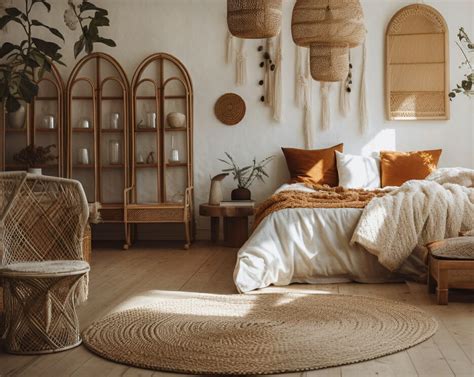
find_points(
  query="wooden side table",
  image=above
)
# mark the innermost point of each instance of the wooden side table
(236, 222)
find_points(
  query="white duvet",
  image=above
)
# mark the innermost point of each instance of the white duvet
(308, 245)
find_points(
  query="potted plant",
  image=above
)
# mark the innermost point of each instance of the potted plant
(245, 176)
(467, 47)
(33, 157)
(24, 63)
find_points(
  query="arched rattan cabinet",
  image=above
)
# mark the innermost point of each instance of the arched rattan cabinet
(49, 102)
(161, 190)
(98, 121)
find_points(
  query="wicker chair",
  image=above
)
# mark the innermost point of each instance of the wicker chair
(42, 219)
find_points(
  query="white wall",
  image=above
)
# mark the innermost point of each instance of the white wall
(195, 31)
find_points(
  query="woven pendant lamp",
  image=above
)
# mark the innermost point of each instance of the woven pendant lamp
(254, 19)
(329, 28)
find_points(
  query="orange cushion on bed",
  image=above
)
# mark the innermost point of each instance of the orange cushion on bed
(399, 167)
(313, 166)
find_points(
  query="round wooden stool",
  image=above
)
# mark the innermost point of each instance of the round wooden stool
(40, 311)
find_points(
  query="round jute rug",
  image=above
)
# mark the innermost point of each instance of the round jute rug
(257, 334)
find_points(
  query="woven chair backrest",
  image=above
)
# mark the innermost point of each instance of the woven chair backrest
(45, 219)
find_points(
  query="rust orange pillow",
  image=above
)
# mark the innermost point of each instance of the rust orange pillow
(316, 167)
(399, 167)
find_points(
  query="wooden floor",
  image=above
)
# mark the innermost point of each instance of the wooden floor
(120, 277)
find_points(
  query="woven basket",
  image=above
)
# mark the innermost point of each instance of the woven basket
(329, 63)
(254, 19)
(329, 28)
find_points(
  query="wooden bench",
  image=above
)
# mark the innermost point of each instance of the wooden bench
(451, 265)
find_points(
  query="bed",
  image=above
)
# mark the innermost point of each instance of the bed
(311, 245)
(316, 245)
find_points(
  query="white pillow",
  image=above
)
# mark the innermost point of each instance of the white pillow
(358, 171)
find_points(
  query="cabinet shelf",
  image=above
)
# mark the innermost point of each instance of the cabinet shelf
(104, 98)
(176, 164)
(83, 130)
(177, 129)
(113, 166)
(46, 130)
(146, 129)
(24, 167)
(83, 166)
(112, 130)
(146, 166)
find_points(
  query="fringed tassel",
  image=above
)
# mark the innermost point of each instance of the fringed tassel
(82, 289)
(364, 118)
(278, 88)
(300, 76)
(241, 64)
(344, 100)
(230, 48)
(308, 106)
(325, 109)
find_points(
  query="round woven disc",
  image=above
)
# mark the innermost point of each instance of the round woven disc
(230, 109)
(257, 334)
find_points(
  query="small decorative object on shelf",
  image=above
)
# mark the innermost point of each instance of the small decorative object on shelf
(150, 158)
(114, 121)
(48, 122)
(174, 153)
(17, 119)
(245, 176)
(114, 152)
(83, 156)
(84, 123)
(140, 158)
(33, 157)
(215, 193)
(467, 47)
(176, 120)
(151, 120)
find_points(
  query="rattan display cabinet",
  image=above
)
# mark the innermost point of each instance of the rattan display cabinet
(97, 132)
(37, 129)
(161, 151)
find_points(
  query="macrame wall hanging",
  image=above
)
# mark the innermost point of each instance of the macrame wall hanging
(257, 19)
(330, 28)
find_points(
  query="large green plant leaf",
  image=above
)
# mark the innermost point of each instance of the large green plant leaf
(48, 48)
(54, 31)
(6, 48)
(44, 2)
(79, 46)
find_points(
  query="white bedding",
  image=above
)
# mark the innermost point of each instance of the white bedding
(308, 245)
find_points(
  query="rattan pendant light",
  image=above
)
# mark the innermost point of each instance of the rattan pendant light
(254, 19)
(329, 28)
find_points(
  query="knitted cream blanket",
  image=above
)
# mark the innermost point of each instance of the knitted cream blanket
(417, 213)
(324, 197)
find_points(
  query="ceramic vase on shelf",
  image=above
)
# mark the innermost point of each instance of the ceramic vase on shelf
(84, 123)
(37, 171)
(115, 121)
(83, 156)
(48, 122)
(17, 119)
(215, 193)
(176, 120)
(151, 120)
(114, 152)
(241, 193)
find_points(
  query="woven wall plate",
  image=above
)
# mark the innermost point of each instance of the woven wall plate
(230, 109)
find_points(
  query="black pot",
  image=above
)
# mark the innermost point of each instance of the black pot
(241, 194)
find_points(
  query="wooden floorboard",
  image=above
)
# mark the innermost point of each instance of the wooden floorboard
(121, 279)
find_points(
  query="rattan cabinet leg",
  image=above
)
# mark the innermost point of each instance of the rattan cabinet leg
(442, 289)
